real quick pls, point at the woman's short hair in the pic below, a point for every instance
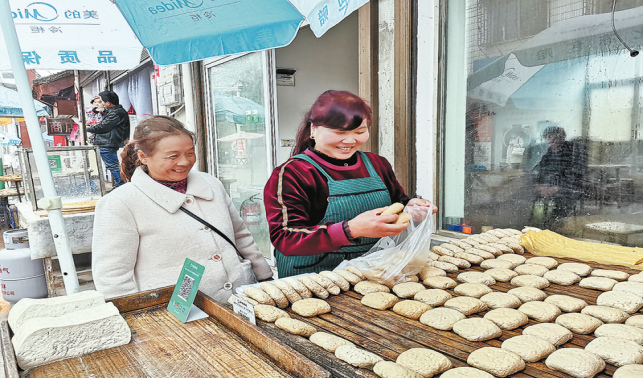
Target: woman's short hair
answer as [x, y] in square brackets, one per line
[335, 110]
[147, 134]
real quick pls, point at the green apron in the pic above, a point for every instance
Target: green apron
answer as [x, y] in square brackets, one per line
[347, 199]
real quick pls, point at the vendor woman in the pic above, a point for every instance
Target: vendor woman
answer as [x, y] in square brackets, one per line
[323, 204]
[142, 233]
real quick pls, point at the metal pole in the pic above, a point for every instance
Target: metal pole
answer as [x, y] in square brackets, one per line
[80, 102]
[51, 202]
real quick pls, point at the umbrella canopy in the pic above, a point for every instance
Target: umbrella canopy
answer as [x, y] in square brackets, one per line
[237, 109]
[546, 64]
[179, 31]
[72, 35]
[10, 105]
[558, 85]
[8, 140]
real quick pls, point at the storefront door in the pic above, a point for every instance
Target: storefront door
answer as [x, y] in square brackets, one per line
[241, 133]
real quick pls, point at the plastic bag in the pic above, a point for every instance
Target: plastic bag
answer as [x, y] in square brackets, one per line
[392, 259]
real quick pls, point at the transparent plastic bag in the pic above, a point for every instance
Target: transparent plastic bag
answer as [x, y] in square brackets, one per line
[392, 259]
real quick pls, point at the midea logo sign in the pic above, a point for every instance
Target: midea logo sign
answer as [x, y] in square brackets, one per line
[37, 11]
[173, 5]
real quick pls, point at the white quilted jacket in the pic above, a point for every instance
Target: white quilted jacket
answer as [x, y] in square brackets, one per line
[141, 238]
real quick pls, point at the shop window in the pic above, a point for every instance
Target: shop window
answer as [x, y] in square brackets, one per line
[544, 131]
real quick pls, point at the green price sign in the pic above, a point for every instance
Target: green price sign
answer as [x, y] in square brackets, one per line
[184, 292]
[55, 164]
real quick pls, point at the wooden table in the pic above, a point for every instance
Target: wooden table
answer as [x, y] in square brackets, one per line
[222, 345]
[16, 179]
[612, 232]
[387, 334]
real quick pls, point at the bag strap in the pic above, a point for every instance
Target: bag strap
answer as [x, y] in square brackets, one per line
[211, 228]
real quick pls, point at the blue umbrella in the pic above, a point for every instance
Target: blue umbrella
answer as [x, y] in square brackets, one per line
[179, 31]
[11, 107]
[8, 140]
[47, 138]
[237, 109]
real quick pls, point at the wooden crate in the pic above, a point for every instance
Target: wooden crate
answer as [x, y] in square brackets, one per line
[388, 334]
[222, 345]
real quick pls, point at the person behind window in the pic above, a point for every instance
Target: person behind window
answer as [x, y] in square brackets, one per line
[142, 238]
[322, 204]
[111, 132]
[560, 176]
[515, 150]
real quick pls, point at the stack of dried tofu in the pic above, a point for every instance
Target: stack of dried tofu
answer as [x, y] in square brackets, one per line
[53, 329]
[79, 207]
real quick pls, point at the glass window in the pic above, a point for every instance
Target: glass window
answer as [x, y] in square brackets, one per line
[542, 117]
[241, 131]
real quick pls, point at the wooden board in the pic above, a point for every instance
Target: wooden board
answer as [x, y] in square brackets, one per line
[162, 346]
[9, 368]
[388, 334]
[12, 177]
[11, 192]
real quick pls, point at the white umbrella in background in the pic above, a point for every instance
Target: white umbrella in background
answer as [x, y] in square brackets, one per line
[72, 34]
[8, 140]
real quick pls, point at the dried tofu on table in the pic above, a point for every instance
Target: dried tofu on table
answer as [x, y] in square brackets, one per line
[549, 243]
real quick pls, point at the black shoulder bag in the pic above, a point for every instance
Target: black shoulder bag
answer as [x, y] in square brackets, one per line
[211, 227]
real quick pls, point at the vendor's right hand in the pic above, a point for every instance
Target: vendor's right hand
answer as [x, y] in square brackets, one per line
[370, 224]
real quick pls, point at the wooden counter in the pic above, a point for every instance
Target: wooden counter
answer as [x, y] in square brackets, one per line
[387, 334]
[225, 345]
[222, 345]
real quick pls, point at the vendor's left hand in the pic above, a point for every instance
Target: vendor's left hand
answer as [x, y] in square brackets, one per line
[422, 202]
[419, 209]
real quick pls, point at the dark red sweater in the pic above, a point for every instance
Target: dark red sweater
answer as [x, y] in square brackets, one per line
[296, 197]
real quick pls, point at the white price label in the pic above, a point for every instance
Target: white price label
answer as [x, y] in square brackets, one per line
[244, 308]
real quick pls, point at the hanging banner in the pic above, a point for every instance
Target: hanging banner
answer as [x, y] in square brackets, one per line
[72, 35]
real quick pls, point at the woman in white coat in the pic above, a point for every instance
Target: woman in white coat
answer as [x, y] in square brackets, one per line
[141, 234]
